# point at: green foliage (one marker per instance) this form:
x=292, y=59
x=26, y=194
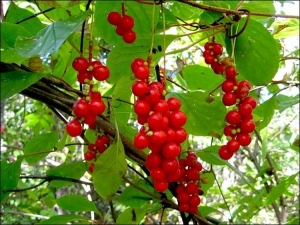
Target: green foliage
x=131, y=216
x=62, y=219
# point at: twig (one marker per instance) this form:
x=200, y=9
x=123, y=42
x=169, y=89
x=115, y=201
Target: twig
x=35, y=15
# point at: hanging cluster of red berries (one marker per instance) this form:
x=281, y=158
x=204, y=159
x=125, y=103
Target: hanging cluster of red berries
x=124, y=25
x=188, y=190
x=94, y=150
x=239, y=117
x=161, y=130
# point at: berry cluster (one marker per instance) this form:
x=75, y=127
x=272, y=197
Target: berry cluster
x=161, y=130
x=188, y=190
x=124, y=25
x=239, y=117
x=87, y=108
x=96, y=149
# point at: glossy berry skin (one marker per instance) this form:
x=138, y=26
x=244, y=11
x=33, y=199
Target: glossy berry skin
x=192, y=174
x=114, y=18
x=153, y=160
x=233, y=145
x=96, y=106
x=129, y=36
x=170, y=165
x=84, y=77
x=245, y=109
x=101, y=73
x=244, y=139
x=177, y=119
x=80, y=64
x=230, y=73
x=161, y=186
x=173, y=103
x=141, y=141
x=80, y=108
x=250, y=101
x=228, y=86
x=126, y=23
x=191, y=188
x=171, y=150
x=137, y=62
x=158, y=137
x=247, y=126
x=224, y=153
x=155, y=121
x=230, y=130
x=140, y=88
x=229, y=99
x=74, y=128
x=157, y=174
x=142, y=108
x=91, y=167
x=217, y=49
x=141, y=72
x=180, y=135
x=233, y=117
x=89, y=155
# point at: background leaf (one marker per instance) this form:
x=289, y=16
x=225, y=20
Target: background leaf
x=64, y=219
x=109, y=169
x=256, y=52
x=34, y=148
x=131, y=216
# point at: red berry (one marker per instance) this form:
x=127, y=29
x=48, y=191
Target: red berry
x=174, y=176
x=95, y=95
x=183, y=207
x=170, y=165
x=137, y=62
x=119, y=30
x=74, y=128
x=228, y=85
x=158, y=137
x=192, y=174
x=224, y=153
x=170, y=134
x=80, y=108
x=140, y=88
x=183, y=197
x=101, y=73
x=242, y=90
x=153, y=160
x=90, y=119
x=230, y=130
x=250, y=101
x=194, y=200
x=162, y=107
x=161, y=186
x=96, y=106
x=126, y=23
x=114, y=18
x=171, y=150
x=129, y=36
x=217, y=49
x=173, y=103
x=245, y=109
x=89, y=155
x=95, y=64
x=209, y=59
x=142, y=108
x=84, y=77
x=218, y=68
x=158, y=86
x=158, y=174
x=233, y=117
x=191, y=188
x=198, y=166
x=155, y=120
x=141, y=72
x=91, y=167
x=247, y=126
x=208, y=46
x=233, y=145
x=92, y=147
x=180, y=135
x=230, y=73
x=229, y=99
x=177, y=119
x=141, y=141
x=80, y=64
x=152, y=96
x=243, y=139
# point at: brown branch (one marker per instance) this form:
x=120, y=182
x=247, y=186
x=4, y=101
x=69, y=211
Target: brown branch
x=233, y=12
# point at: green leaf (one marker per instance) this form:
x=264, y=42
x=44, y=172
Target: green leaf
x=266, y=111
x=209, y=176
x=259, y=6
x=293, y=221
x=10, y=32
x=203, y=119
x=206, y=210
x=16, y=81
x=76, y=203
x=10, y=173
x=74, y=170
x=64, y=219
x=280, y=189
x=256, y=52
x=200, y=77
x=15, y=14
x=110, y=167
x=131, y=216
x=286, y=101
x=287, y=28
x=134, y=198
x=40, y=146
x=184, y=11
x=49, y=39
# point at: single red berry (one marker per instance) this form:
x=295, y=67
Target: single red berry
x=250, y=101
x=183, y=197
x=142, y=108
x=84, y=77
x=171, y=150
x=194, y=200
x=158, y=86
x=209, y=59
x=142, y=119
x=192, y=209
x=218, y=68
x=229, y=99
x=233, y=117
x=95, y=64
x=228, y=85
x=140, y=88
x=161, y=186
x=198, y=166
x=177, y=119
x=247, y=126
x=192, y=174
x=141, y=141
x=191, y=188
x=230, y=73
x=155, y=148
x=184, y=207
x=158, y=174
x=230, y=130
x=180, y=189
x=244, y=139
x=162, y=107
x=153, y=160
x=224, y=153
x=137, y=62
x=119, y=30
x=170, y=165
x=170, y=134
x=173, y=103
x=233, y=145
x=180, y=135
x=74, y=128
x=90, y=119
x=174, y=176
x=95, y=95
x=129, y=36
x=80, y=108
x=126, y=23
x=96, y=106
x=152, y=96
x=114, y=18
x=245, y=109
x=155, y=120
x=242, y=90
x=80, y=64
x=89, y=155
x=217, y=49
x=101, y=73
x=91, y=167
x=141, y=72
x=158, y=137
x=92, y=147
x=208, y=46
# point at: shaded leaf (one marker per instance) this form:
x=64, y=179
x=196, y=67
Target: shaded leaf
x=40, y=146
x=49, y=39
x=76, y=203
x=209, y=181
x=109, y=169
x=256, y=52
x=206, y=210
x=286, y=101
x=131, y=216
x=64, y=219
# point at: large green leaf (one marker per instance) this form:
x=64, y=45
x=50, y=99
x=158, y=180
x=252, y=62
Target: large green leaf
x=184, y=11
x=200, y=77
x=256, y=52
x=284, y=184
x=131, y=216
x=203, y=119
x=74, y=170
x=10, y=173
x=134, y=198
x=15, y=14
x=109, y=170
x=49, y=39
x=286, y=101
x=259, y=6
x=40, y=146
x=76, y=203
x=286, y=28
x=65, y=219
